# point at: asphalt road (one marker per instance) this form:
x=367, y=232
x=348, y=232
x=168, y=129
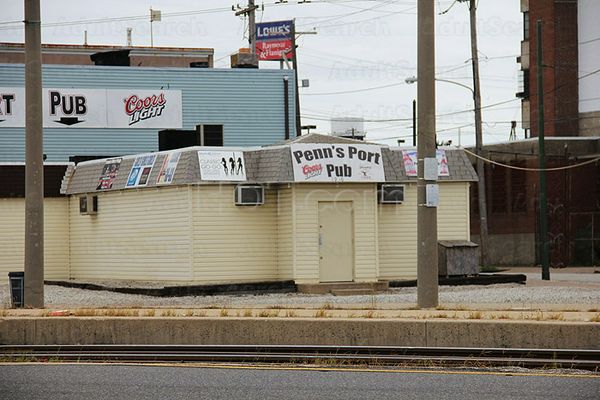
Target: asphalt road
x=91, y=382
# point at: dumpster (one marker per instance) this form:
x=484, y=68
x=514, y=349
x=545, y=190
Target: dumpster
x=17, y=289
x=458, y=257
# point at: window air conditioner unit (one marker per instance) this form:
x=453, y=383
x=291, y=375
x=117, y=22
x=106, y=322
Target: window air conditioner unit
x=391, y=194
x=88, y=204
x=249, y=195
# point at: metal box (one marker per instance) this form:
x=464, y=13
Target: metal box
x=458, y=257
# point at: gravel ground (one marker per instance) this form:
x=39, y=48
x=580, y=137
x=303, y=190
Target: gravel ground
x=507, y=295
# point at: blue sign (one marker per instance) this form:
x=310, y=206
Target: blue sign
x=274, y=30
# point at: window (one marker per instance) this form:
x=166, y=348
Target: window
x=210, y=135
x=526, y=25
x=171, y=139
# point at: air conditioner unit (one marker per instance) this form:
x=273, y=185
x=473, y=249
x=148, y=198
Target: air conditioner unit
x=249, y=195
x=88, y=204
x=391, y=194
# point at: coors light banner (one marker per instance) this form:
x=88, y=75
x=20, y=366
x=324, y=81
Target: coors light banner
x=144, y=108
x=96, y=108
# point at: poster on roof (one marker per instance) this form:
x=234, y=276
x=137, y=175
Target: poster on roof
x=328, y=162
x=222, y=166
x=410, y=162
x=273, y=39
x=167, y=169
x=109, y=173
x=140, y=171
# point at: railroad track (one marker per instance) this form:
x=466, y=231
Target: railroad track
x=300, y=354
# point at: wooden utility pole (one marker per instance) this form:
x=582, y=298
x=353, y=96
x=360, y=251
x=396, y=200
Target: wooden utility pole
x=427, y=260
x=250, y=12
x=483, y=220
x=34, y=161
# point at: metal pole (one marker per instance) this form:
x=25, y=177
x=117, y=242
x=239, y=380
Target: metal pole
x=544, y=244
x=414, y=122
x=252, y=26
x=481, y=187
x=427, y=268
x=295, y=65
x=151, y=33
x=34, y=162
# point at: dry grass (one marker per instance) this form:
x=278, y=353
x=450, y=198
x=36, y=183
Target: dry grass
x=150, y=313
x=322, y=313
x=370, y=314
x=168, y=313
x=224, y=312
x=556, y=317
x=268, y=314
x=247, y=313
x=291, y=314
x=595, y=318
x=3, y=313
x=189, y=313
x=474, y=315
x=327, y=306
x=500, y=316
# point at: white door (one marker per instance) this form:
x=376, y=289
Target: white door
x=336, y=245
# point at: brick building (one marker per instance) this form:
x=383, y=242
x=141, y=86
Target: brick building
x=571, y=78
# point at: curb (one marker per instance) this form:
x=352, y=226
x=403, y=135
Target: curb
x=301, y=331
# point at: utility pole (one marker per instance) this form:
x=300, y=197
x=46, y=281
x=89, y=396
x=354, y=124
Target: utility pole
x=414, y=122
x=250, y=12
x=34, y=162
x=544, y=245
x=295, y=65
x=483, y=224
x=427, y=260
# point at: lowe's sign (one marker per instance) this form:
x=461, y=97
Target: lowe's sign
x=96, y=108
x=273, y=39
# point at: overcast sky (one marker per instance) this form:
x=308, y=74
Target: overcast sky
x=359, y=47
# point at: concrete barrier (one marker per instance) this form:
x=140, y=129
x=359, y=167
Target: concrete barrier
x=329, y=331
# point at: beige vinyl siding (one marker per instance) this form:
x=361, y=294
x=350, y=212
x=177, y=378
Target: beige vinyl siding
x=233, y=243
x=363, y=196
x=138, y=234
x=398, y=237
x=453, y=213
x=285, y=233
x=56, y=238
x=398, y=228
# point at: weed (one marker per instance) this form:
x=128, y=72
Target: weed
x=321, y=314
x=369, y=314
x=224, y=312
x=168, y=313
x=150, y=313
x=3, y=313
x=268, y=314
x=327, y=306
x=352, y=315
x=201, y=313
x=439, y=315
x=595, y=318
x=276, y=307
x=189, y=313
x=474, y=315
x=247, y=313
x=556, y=316
x=290, y=313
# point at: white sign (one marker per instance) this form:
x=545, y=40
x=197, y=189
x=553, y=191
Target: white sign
x=12, y=107
x=79, y=108
x=144, y=108
x=140, y=172
x=222, y=166
x=432, y=195
x=337, y=163
x=96, y=108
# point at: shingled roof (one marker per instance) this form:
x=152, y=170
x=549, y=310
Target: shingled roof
x=269, y=165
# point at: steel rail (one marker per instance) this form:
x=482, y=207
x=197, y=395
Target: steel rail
x=346, y=355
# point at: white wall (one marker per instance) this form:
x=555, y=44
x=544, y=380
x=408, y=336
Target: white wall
x=589, y=54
